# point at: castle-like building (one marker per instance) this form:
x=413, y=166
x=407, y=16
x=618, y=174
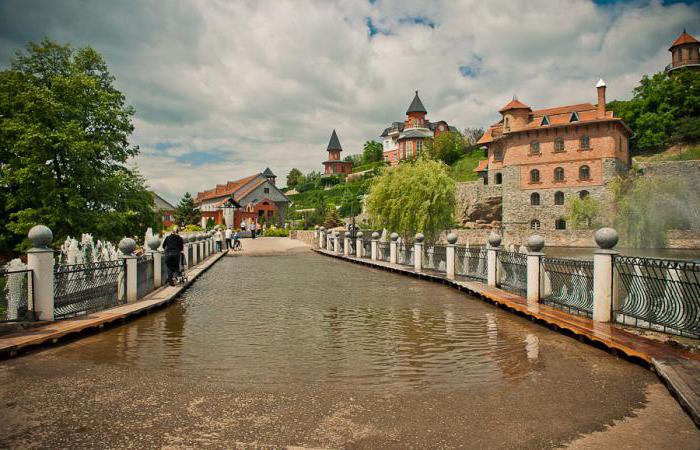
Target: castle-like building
x=333, y=165
x=685, y=52
x=405, y=140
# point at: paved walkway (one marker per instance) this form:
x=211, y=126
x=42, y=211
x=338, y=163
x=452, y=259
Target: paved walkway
x=678, y=369
x=51, y=332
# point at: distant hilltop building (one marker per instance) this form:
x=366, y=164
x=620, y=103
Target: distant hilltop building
x=165, y=210
x=333, y=165
x=404, y=140
x=539, y=158
x=685, y=52
x=252, y=198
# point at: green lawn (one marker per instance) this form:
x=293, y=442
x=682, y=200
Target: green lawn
x=672, y=154
x=463, y=169
x=334, y=195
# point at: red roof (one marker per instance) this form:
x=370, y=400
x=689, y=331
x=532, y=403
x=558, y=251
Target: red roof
x=684, y=38
x=483, y=164
x=514, y=104
x=227, y=189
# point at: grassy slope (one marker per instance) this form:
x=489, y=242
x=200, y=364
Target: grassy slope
x=463, y=169
x=676, y=153
x=334, y=195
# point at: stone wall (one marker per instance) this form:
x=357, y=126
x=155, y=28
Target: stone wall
x=470, y=195
x=306, y=236
x=686, y=170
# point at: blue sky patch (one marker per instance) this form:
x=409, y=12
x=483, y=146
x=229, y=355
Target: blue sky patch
x=203, y=157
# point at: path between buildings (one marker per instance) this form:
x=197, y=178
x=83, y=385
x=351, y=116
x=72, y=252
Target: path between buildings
x=678, y=369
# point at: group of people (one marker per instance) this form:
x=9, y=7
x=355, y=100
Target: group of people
x=227, y=239
x=253, y=227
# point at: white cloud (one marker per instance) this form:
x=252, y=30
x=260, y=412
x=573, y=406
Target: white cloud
x=251, y=84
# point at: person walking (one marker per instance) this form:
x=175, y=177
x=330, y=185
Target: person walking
x=228, y=238
x=172, y=247
x=253, y=229
x=243, y=225
x=218, y=238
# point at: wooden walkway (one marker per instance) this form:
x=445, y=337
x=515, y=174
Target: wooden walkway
x=51, y=332
x=678, y=369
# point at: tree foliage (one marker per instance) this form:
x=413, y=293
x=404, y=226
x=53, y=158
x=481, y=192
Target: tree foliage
x=472, y=135
x=332, y=218
x=186, y=212
x=583, y=213
x=413, y=197
x=446, y=147
x=664, y=110
x=372, y=151
x=294, y=178
x=64, y=145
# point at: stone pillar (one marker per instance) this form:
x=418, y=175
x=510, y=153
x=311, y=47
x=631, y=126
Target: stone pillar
x=127, y=247
x=418, y=252
x=450, y=255
x=494, y=242
x=317, y=234
x=40, y=262
x=603, y=263
x=359, y=245
x=393, y=247
x=336, y=242
x=535, y=244
x=195, y=252
x=153, y=244
x=185, y=251
x=346, y=244
x=322, y=237
x=373, y=249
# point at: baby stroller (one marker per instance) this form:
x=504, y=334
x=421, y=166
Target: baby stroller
x=180, y=275
x=237, y=246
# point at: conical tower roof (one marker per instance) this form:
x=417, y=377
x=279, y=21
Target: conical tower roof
x=334, y=143
x=416, y=105
x=514, y=104
x=684, y=38
x=267, y=173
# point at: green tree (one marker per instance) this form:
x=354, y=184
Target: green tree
x=350, y=205
x=64, y=146
x=186, y=212
x=583, y=213
x=413, y=197
x=372, y=151
x=446, y=147
x=332, y=218
x=472, y=136
x=294, y=178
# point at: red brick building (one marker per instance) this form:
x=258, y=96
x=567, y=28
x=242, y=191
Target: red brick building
x=685, y=52
x=405, y=140
x=165, y=210
x=333, y=165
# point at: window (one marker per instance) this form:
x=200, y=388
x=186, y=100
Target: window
x=498, y=154
x=545, y=120
x=560, y=224
x=340, y=168
x=559, y=198
x=559, y=174
x=498, y=179
x=409, y=149
x=583, y=194
x=267, y=190
x=534, y=148
x=419, y=147
x=559, y=145
x=574, y=117
x=535, y=224
x=535, y=199
x=506, y=124
x=534, y=176
x=584, y=173
x=585, y=143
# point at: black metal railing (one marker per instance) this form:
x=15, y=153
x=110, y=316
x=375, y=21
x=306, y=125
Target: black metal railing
x=435, y=258
x=567, y=284
x=144, y=275
x=16, y=295
x=406, y=255
x=163, y=270
x=659, y=294
x=512, y=274
x=470, y=262
x=84, y=288
x=366, y=248
x=383, y=251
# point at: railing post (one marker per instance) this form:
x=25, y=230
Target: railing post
x=494, y=242
x=535, y=244
x=418, y=252
x=195, y=253
x=606, y=238
x=393, y=244
x=40, y=262
x=127, y=247
x=346, y=244
x=450, y=256
x=322, y=237
x=153, y=244
x=186, y=251
x=359, y=245
x=373, y=248
x=336, y=242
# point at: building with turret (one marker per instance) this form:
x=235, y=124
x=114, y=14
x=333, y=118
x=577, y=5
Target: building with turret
x=334, y=165
x=685, y=53
x=405, y=140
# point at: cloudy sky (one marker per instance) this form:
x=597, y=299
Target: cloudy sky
x=223, y=89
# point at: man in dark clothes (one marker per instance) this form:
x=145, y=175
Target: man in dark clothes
x=173, y=246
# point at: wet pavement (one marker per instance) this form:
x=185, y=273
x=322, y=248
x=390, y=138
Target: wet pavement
x=303, y=350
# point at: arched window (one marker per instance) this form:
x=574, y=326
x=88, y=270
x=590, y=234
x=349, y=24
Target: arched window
x=498, y=178
x=535, y=199
x=498, y=154
x=535, y=224
x=585, y=143
x=559, y=145
x=534, y=176
x=560, y=224
x=584, y=173
x=559, y=174
x=559, y=198
x=583, y=194
x=506, y=124
x=534, y=148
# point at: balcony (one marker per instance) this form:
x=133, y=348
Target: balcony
x=684, y=63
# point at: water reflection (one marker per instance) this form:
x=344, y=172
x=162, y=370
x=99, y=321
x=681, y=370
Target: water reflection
x=309, y=319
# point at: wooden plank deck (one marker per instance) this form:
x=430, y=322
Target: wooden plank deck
x=677, y=368
x=51, y=332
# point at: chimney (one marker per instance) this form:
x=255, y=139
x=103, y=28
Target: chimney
x=601, y=98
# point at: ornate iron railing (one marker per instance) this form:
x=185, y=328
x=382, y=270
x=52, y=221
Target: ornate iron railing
x=144, y=275
x=383, y=251
x=659, y=294
x=84, y=288
x=366, y=248
x=470, y=262
x=16, y=295
x=405, y=254
x=435, y=258
x=341, y=245
x=512, y=274
x=567, y=284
